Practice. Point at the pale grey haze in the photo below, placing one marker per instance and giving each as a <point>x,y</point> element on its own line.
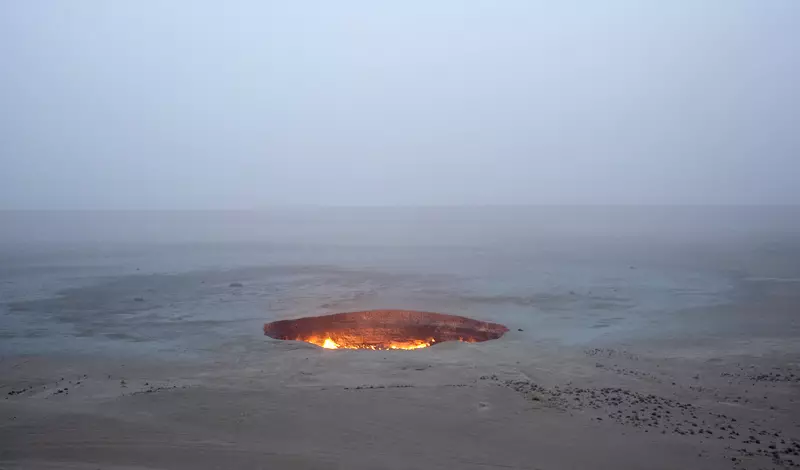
<point>246,104</point>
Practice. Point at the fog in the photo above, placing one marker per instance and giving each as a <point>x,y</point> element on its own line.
<point>255,104</point>
<point>512,227</point>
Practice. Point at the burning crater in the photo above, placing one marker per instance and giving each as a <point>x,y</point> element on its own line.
<point>383,329</point>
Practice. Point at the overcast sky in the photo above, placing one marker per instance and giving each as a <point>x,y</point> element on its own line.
<point>242,104</point>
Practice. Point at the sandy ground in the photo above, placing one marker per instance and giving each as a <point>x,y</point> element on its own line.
<point>501,404</point>
<point>613,361</point>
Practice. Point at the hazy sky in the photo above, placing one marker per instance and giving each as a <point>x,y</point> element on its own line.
<point>241,104</point>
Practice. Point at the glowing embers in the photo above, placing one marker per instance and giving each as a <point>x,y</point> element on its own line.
<point>329,343</point>
<point>383,329</point>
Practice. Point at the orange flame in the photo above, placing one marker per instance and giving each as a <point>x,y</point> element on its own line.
<point>329,343</point>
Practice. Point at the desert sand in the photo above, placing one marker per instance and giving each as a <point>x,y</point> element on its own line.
<point>498,404</point>
<point>616,357</point>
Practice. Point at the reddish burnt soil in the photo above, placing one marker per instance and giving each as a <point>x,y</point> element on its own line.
<point>384,329</point>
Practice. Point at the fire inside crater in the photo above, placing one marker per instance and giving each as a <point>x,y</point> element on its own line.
<point>384,329</point>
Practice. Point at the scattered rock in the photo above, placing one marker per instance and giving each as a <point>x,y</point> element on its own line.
<point>20,391</point>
